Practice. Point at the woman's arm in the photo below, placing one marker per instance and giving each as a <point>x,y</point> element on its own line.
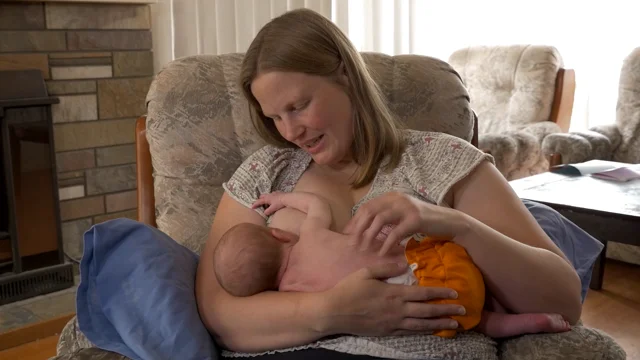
<point>360,304</point>
<point>530,274</point>
<point>523,268</point>
<point>262,322</point>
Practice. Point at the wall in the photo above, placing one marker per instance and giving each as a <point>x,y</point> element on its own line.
<point>97,59</point>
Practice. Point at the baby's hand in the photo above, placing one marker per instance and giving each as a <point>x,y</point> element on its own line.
<point>272,200</point>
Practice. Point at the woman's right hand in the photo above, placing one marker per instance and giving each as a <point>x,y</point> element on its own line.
<point>363,304</point>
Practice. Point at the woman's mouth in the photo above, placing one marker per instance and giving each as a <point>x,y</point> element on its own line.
<point>314,145</point>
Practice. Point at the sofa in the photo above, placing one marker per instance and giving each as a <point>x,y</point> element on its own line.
<point>618,141</point>
<point>521,94</point>
<point>197,132</point>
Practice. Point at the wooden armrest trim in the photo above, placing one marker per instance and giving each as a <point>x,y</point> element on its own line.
<point>144,172</point>
<point>563,98</point>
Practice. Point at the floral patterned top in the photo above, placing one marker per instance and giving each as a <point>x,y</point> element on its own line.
<point>431,164</point>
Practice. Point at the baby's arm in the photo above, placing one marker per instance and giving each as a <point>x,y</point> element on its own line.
<point>317,209</point>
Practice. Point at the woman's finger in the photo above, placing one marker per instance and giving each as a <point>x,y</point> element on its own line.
<point>424,293</point>
<point>391,241</point>
<point>423,310</point>
<point>383,271</point>
<point>399,232</point>
<point>358,223</point>
<point>373,230</point>
<point>365,214</point>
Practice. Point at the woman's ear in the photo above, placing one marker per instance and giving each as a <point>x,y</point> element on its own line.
<point>342,75</point>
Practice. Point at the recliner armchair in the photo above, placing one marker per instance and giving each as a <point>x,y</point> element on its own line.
<point>521,94</point>
<point>619,141</point>
<point>198,131</point>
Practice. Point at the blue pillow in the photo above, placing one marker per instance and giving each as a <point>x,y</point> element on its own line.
<point>580,248</point>
<point>137,294</point>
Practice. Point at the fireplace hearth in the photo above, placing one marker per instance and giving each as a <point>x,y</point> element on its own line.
<point>31,252</point>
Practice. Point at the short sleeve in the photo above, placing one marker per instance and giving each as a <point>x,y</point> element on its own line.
<point>437,161</point>
<point>257,175</point>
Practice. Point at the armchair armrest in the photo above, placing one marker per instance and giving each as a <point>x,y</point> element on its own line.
<point>513,152</point>
<point>541,129</point>
<point>611,132</point>
<point>597,143</point>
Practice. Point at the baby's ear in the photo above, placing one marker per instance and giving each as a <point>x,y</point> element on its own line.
<point>284,236</point>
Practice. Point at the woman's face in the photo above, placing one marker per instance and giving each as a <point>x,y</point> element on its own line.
<point>312,112</point>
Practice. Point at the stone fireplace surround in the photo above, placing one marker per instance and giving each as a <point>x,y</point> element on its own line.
<point>96,57</point>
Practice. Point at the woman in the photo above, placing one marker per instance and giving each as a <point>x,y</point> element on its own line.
<point>312,97</point>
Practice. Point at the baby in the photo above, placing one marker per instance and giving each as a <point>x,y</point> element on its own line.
<point>251,258</point>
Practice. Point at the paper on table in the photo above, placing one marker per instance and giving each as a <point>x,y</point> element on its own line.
<point>622,174</point>
<point>601,169</point>
<point>586,168</point>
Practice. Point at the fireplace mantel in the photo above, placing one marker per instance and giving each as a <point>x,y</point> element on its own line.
<point>89,1</point>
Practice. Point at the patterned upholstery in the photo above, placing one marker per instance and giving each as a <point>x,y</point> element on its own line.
<point>512,90</point>
<point>619,141</point>
<point>199,133</point>
<point>217,135</point>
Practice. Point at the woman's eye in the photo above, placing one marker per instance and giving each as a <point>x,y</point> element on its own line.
<point>301,106</point>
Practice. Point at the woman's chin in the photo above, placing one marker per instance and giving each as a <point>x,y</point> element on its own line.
<point>322,158</point>
<point>331,161</point>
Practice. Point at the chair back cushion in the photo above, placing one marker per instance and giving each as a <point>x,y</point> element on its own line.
<point>628,110</point>
<point>510,86</point>
<point>199,130</point>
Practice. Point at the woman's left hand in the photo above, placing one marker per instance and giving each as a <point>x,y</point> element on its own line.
<point>407,216</point>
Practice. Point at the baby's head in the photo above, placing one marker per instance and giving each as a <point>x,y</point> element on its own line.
<point>249,259</point>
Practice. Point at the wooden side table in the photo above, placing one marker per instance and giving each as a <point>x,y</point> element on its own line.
<point>607,210</point>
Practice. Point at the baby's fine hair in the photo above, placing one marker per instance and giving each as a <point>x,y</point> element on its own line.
<point>246,261</point>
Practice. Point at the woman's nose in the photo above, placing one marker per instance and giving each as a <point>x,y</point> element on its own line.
<point>292,130</point>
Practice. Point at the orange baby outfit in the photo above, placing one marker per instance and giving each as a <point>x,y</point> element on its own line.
<point>442,263</point>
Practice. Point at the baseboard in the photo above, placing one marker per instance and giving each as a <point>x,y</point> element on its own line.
<point>33,332</point>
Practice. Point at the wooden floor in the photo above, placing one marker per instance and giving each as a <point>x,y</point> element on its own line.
<point>38,350</point>
<point>615,310</point>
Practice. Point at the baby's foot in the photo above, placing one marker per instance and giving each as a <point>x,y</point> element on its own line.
<point>499,325</point>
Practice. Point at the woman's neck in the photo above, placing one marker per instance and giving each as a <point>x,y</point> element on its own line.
<point>344,170</point>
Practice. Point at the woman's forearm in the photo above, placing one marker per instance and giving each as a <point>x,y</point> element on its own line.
<point>523,278</point>
<point>265,321</point>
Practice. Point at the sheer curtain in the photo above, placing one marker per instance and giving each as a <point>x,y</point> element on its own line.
<point>593,37</point>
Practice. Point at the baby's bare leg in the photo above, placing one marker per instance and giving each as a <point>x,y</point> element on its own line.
<point>496,322</point>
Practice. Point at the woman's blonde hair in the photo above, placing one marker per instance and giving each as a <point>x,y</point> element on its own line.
<point>306,42</point>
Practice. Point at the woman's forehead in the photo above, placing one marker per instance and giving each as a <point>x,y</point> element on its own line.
<point>281,81</point>
<point>275,90</point>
